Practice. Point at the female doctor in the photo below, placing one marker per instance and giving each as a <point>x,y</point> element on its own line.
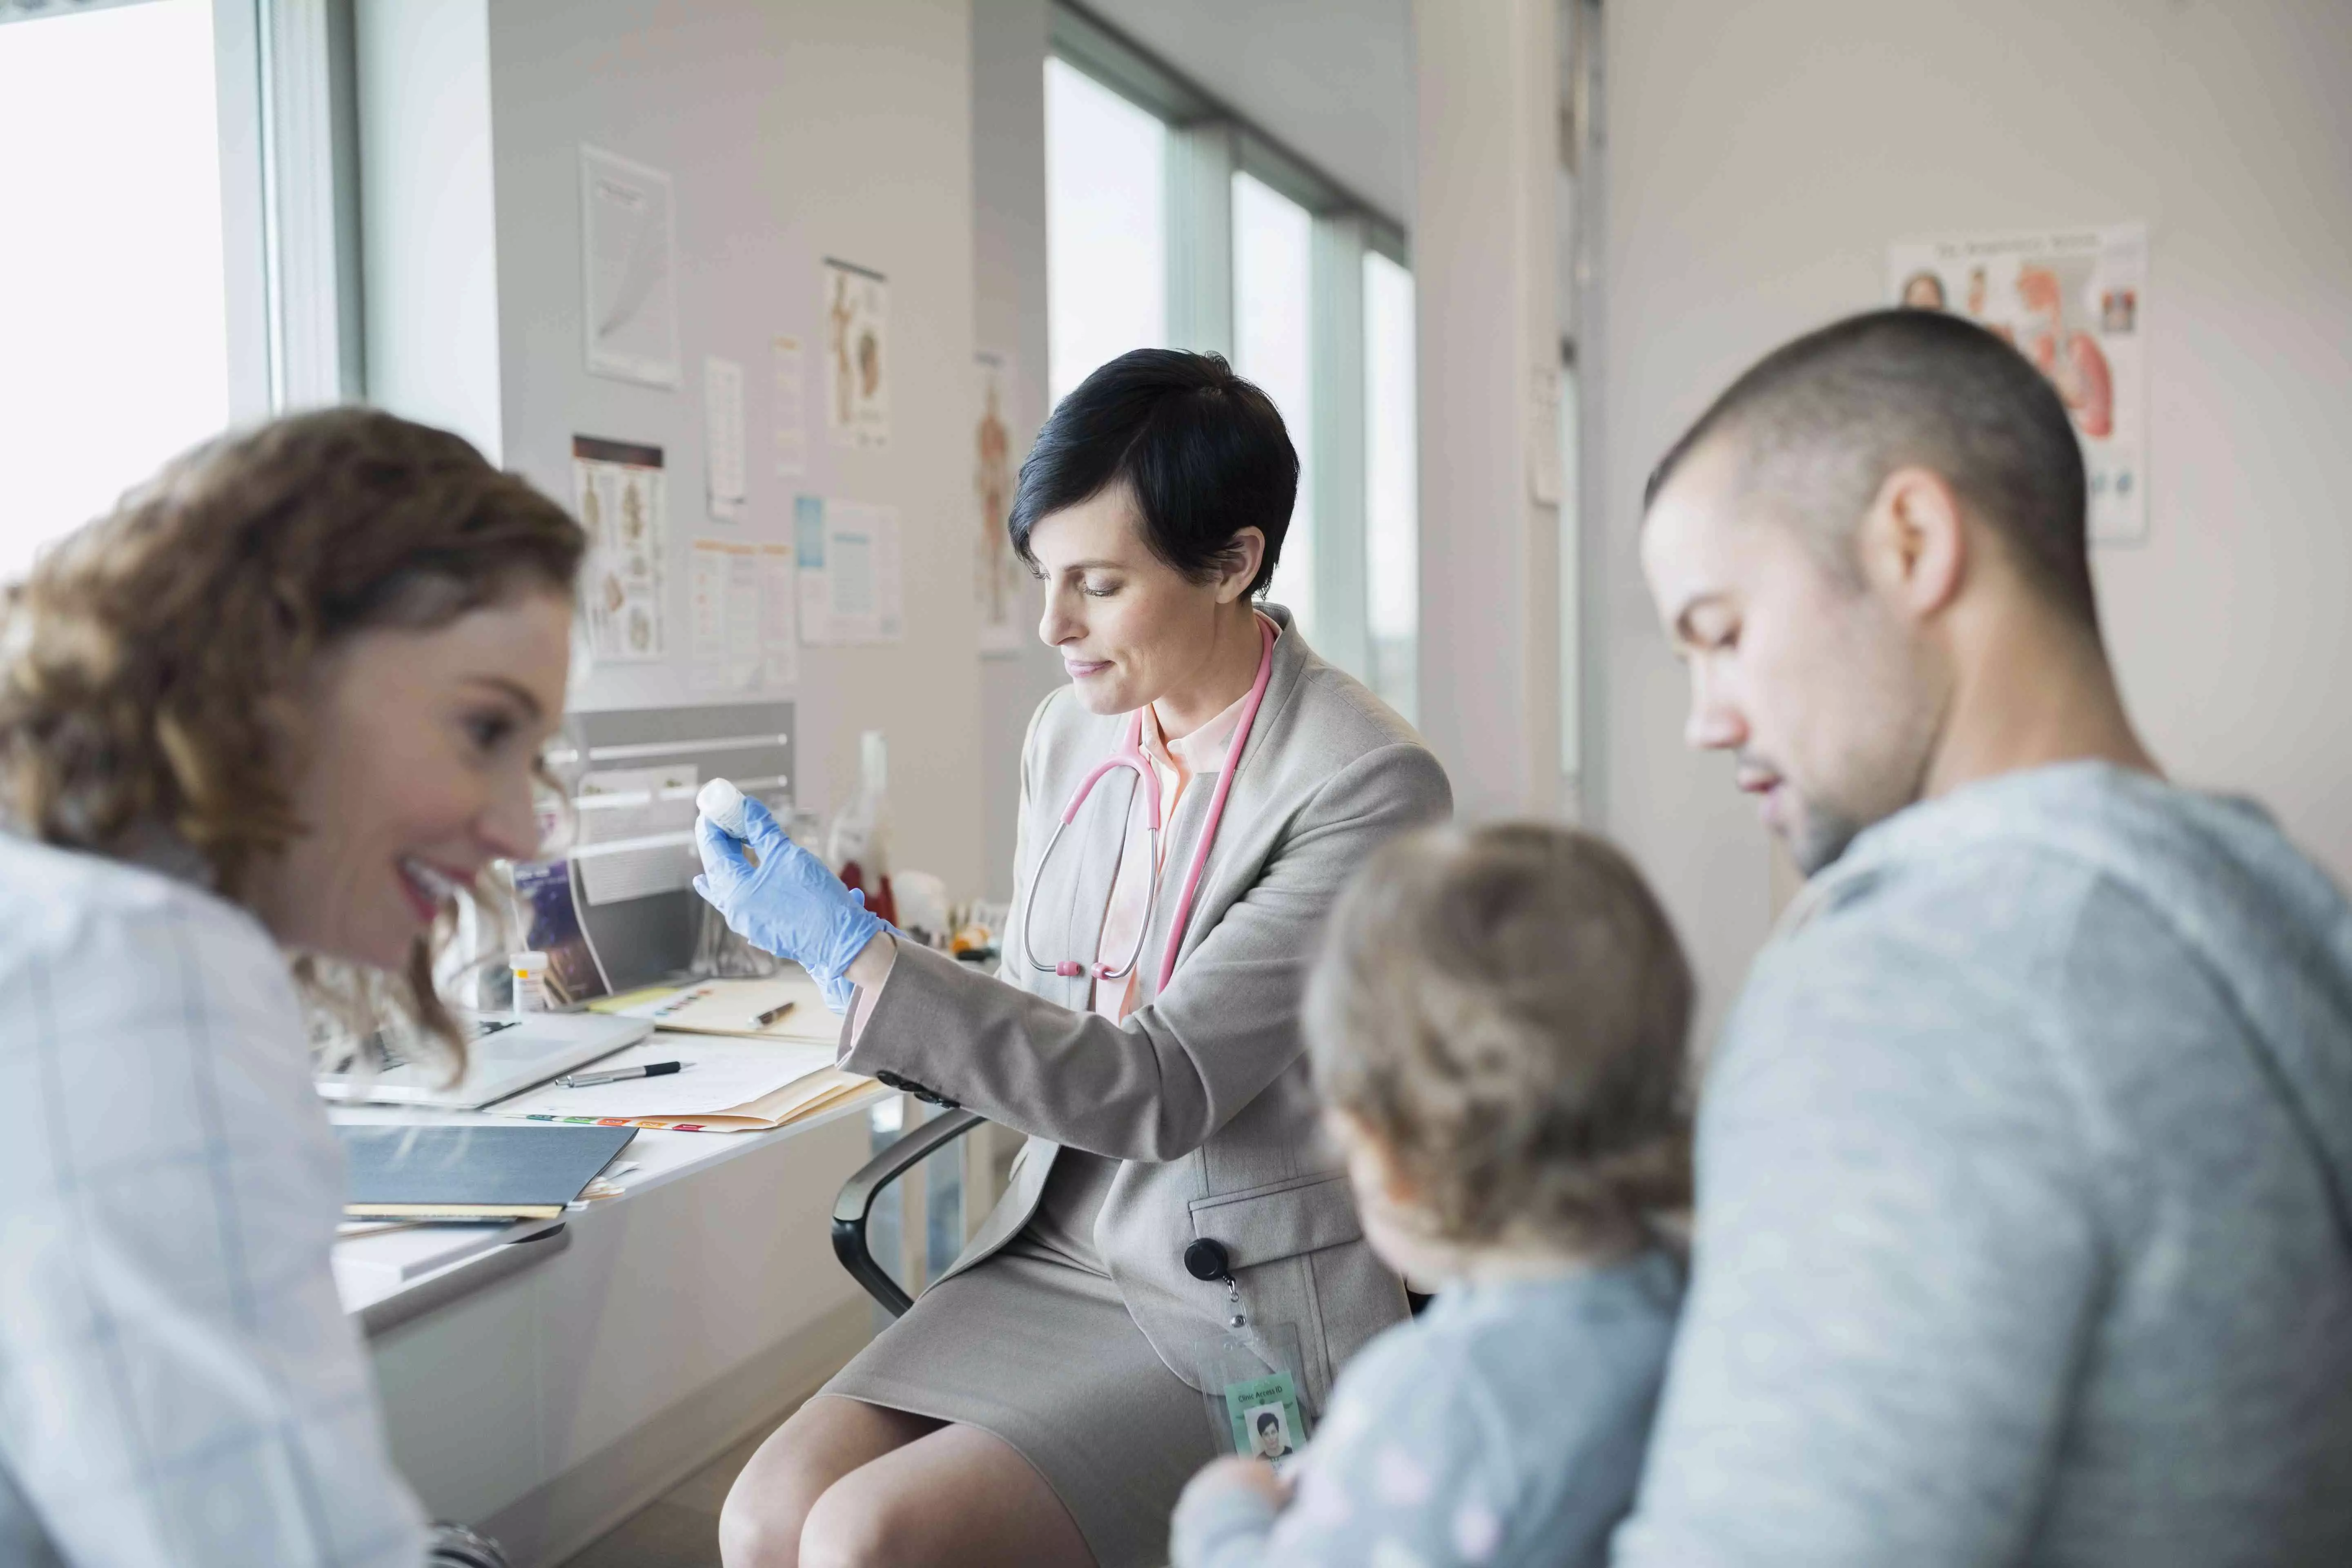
<point>1039,1404</point>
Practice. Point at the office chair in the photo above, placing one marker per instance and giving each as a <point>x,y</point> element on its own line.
<point>855,1203</point>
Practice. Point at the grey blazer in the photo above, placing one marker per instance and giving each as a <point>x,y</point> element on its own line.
<point>1202,1090</point>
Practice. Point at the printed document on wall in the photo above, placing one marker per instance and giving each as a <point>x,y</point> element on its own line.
<point>779,642</point>
<point>2069,299</point>
<point>722,419</point>
<point>617,490</point>
<point>790,416</point>
<point>629,264</point>
<point>724,603</point>
<point>857,359</point>
<point>846,555</point>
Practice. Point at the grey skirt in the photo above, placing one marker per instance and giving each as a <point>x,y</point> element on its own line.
<point>1035,1346</point>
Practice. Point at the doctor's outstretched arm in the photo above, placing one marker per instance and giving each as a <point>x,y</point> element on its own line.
<point>1157,1085</point>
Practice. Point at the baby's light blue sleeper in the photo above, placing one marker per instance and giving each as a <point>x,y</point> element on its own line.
<point>1505,1425</point>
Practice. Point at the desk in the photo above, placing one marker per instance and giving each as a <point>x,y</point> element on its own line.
<point>542,1398</point>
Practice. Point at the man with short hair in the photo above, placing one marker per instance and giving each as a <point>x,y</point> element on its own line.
<point>2023,1230</point>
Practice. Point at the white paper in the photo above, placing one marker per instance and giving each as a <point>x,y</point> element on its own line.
<point>846,554</point>
<point>2071,300</point>
<point>629,263</point>
<point>622,506</point>
<point>722,417</point>
<point>621,804</point>
<point>725,1073</point>
<point>856,362</point>
<point>779,642</point>
<point>791,420</point>
<point>725,604</point>
<point>1001,581</point>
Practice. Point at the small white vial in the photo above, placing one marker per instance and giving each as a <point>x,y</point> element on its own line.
<point>529,982</point>
<point>721,801</point>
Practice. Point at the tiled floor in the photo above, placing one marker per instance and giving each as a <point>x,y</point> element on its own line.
<point>680,1527</point>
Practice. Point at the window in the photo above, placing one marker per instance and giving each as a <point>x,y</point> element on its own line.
<point>1171,220</point>
<point>114,338</point>
<point>1391,484</point>
<point>1106,227</point>
<point>192,262</point>
<point>1272,238</point>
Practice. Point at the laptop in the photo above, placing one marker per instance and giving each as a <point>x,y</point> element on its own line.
<point>503,1056</point>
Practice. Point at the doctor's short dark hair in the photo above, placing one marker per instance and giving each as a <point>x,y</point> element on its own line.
<point>1506,1008</point>
<point>1203,453</point>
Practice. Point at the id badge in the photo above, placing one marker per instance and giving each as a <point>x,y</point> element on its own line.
<point>1255,1386</point>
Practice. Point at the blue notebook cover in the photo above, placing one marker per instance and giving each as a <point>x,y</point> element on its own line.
<point>528,1173</point>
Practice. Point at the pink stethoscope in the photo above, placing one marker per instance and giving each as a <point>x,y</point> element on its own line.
<point>1129,755</point>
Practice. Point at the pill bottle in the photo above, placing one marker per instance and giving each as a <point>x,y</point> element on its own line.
<point>530,982</point>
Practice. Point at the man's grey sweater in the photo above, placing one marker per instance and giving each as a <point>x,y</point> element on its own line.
<point>2022,1232</point>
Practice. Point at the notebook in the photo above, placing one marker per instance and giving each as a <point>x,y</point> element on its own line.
<point>472,1173</point>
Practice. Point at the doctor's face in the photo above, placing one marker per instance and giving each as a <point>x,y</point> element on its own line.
<point>1130,627</point>
<point>1811,682</point>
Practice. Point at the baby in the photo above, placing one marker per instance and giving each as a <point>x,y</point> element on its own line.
<point>1496,1022</point>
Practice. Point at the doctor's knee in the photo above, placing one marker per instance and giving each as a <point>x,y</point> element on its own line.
<point>759,1532</point>
<point>855,1526</point>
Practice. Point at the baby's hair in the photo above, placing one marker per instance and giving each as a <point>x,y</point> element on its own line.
<point>1506,1008</point>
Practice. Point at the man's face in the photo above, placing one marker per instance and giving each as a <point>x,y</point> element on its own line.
<point>1816,686</point>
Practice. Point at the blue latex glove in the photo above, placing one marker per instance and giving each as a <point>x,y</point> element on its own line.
<point>789,904</point>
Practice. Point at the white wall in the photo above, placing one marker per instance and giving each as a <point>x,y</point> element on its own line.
<point>1486,328</point>
<point>794,130</point>
<point>1761,157</point>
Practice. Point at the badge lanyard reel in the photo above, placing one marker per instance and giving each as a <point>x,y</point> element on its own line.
<point>1254,1378</point>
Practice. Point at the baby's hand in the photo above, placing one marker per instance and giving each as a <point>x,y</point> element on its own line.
<point>1239,1473</point>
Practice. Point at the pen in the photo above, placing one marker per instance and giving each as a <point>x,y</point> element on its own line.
<point>615,1075</point>
<point>772,1014</point>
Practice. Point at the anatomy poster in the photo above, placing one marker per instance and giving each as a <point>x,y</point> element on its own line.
<point>847,556</point>
<point>628,243</point>
<point>616,488</point>
<point>857,355</point>
<point>1000,579</point>
<point>2071,301</point>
